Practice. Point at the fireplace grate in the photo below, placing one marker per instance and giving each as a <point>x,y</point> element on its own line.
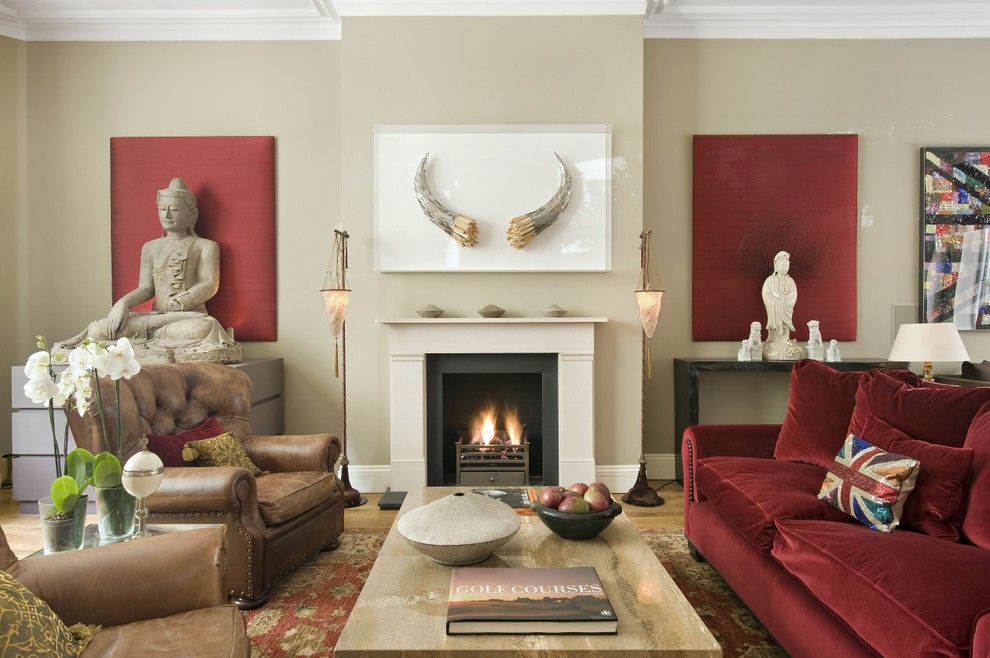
<point>495,463</point>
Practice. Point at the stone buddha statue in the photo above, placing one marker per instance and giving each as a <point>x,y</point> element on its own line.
<point>180,271</point>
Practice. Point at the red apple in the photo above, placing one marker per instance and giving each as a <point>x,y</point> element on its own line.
<point>570,493</point>
<point>574,505</point>
<point>579,487</point>
<point>551,496</point>
<point>601,487</point>
<point>597,500</point>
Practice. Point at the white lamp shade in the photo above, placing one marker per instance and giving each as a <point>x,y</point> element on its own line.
<point>335,303</point>
<point>928,342</point>
<point>649,309</point>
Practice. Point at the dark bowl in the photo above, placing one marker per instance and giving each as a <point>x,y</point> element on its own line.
<point>572,525</point>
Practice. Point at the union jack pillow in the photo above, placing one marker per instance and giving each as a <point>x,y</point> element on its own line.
<point>869,484</point>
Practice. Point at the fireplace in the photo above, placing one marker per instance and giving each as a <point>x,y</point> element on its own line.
<point>569,342</point>
<point>491,419</point>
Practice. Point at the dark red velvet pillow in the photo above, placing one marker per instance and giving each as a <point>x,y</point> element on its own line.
<point>169,446</point>
<point>935,506</point>
<point>976,523</point>
<point>937,414</point>
<point>819,406</point>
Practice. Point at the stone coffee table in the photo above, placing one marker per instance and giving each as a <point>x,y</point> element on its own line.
<point>402,609</point>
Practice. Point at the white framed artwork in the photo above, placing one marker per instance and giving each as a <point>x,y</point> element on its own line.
<point>492,174</point>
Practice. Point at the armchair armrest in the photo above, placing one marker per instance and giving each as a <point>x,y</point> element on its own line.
<point>702,441</point>
<point>205,489</point>
<point>294,452</point>
<point>131,581</point>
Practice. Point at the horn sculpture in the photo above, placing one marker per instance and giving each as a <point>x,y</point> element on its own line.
<point>524,228</point>
<point>463,230</point>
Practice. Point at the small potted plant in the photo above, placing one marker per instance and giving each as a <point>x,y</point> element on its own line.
<point>73,388</point>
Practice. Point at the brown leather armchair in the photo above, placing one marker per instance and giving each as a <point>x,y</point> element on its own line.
<point>273,521</point>
<point>162,595</point>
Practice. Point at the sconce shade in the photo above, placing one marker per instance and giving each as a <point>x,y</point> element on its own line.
<point>335,304</point>
<point>649,309</point>
<point>928,342</point>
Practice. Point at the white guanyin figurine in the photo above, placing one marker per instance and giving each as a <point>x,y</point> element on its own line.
<point>833,355</point>
<point>779,297</point>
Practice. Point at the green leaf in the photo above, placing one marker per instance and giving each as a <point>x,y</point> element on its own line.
<point>79,465</point>
<point>106,471</point>
<point>64,493</point>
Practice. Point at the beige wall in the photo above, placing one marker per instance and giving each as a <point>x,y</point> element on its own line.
<point>13,135</point>
<point>419,71</point>
<point>82,94</point>
<point>321,100</point>
<point>896,95</point>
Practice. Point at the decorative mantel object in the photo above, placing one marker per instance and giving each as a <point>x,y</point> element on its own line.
<point>430,311</point>
<point>553,311</point>
<point>335,296</point>
<point>491,311</point>
<point>648,299</point>
<point>462,528</point>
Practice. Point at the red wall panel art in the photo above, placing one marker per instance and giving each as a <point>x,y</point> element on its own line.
<point>233,179</point>
<point>755,195</point>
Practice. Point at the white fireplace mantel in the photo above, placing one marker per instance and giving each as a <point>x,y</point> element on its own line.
<point>572,339</point>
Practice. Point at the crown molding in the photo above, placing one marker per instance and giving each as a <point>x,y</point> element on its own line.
<point>491,7</point>
<point>11,25</point>
<point>931,21</point>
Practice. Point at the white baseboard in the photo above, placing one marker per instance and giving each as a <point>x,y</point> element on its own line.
<point>376,477</point>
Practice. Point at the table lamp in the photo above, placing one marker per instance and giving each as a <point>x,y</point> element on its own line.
<point>142,475</point>
<point>928,342</point>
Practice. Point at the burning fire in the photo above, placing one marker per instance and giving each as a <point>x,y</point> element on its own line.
<point>483,426</point>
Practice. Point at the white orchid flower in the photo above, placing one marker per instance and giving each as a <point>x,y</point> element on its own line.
<point>120,362</point>
<point>37,365</point>
<point>40,389</point>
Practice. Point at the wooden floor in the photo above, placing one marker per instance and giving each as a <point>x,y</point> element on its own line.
<point>24,533</point>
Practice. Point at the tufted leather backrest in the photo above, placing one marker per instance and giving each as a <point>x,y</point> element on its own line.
<point>167,399</point>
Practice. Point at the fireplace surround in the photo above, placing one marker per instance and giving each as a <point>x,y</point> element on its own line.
<point>570,340</point>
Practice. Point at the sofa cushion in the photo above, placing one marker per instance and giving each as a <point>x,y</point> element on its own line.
<point>938,414</point>
<point>217,631</point>
<point>819,407</point>
<point>31,628</point>
<point>751,493</point>
<point>223,450</point>
<point>936,505</point>
<point>979,371</point>
<point>169,446</point>
<point>284,496</point>
<point>903,593</point>
<point>976,522</point>
<point>869,483</point>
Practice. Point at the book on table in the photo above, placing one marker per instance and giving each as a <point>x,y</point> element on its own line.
<point>525,601</point>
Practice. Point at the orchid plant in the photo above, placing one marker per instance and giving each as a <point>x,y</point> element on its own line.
<point>73,388</point>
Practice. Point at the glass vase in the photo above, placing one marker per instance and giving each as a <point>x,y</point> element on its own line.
<point>62,531</point>
<point>115,511</point>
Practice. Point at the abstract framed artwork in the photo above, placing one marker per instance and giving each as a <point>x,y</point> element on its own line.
<point>233,179</point>
<point>955,236</point>
<point>756,195</point>
<point>448,198</point>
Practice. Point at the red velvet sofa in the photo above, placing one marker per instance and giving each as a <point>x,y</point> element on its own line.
<point>822,582</point>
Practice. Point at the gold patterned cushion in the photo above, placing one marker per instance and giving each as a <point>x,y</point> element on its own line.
<point>30,628</point>
<point>223,450</point>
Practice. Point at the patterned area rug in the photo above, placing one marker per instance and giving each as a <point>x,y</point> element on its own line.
<point>306,612</point>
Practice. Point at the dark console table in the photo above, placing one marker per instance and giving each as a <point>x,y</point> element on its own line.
<point>687,396</point>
